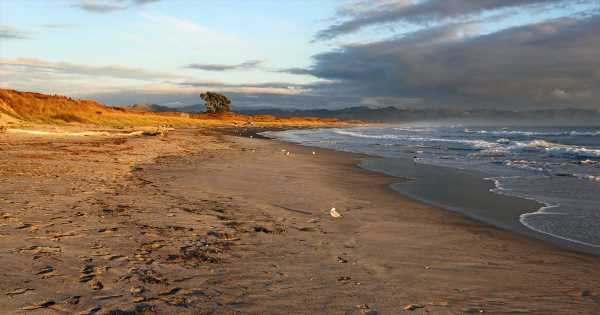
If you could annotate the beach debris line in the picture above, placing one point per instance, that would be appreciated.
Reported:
(334, 213)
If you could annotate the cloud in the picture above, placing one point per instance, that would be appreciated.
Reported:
(59, 25)
(8, 33)
(545, 64)
(248, 65)
(280, 88)
(297, 71)
(107, 6)
(364, 14)
(33, 66)
(118, 84)
(100, 6)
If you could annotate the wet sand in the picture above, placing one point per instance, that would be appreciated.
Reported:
(466, 192)
(201, 221)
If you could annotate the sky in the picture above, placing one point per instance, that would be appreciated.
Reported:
(513, 54)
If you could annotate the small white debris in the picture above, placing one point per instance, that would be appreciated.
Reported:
(334, 213)
(314, 153)
(287, 153)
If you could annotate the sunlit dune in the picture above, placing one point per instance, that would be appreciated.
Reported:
(40, 108)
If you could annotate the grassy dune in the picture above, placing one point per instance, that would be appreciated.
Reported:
(16, 106)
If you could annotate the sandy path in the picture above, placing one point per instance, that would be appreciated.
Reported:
(196, 223)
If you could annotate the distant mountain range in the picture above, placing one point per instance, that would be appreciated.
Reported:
(394, 114)
(153, 108)
(143, 107)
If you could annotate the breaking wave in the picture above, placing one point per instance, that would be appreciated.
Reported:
(555, 149)
(501, 146)
(504, 133)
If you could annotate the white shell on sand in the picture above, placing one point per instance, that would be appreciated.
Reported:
(334, 213)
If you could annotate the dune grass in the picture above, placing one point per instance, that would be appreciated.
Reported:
(61, 110)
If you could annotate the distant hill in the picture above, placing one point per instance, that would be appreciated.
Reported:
(393, 114)
(153, 108)
(197, 108)
(143, 107)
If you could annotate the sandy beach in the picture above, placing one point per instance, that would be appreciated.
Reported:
(212, 221)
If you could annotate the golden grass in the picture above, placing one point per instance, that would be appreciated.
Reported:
(61, 110)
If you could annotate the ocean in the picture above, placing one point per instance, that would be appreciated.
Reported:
(559, 167)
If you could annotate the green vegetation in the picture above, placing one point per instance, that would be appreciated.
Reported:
(216, 103)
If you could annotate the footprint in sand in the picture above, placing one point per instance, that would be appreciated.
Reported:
(41, 249)
(87, 273)
(96, 285)
(45, 270)
(44, 304)
(19, 291)
(86, 278)
(90, 311)
(23, 226)
(73, 300)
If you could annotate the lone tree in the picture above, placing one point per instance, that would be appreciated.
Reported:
(215, 102)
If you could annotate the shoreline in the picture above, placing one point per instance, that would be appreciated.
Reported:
(485, 205)
(496, 202)
(203, 221)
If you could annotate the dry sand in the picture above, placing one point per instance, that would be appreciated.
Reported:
(202, 222)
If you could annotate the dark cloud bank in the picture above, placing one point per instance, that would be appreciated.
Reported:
(546, 64)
